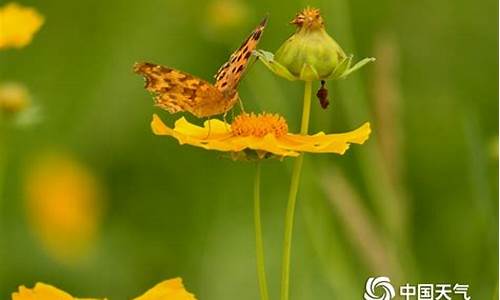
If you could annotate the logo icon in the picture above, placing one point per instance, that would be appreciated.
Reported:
(379, 284)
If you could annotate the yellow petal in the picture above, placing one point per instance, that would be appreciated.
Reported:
(213, 138)
(268, 143)
(171, 289)
(214, 127)
(18, 24)
(326, 143)
(42, 291)
(159, 128)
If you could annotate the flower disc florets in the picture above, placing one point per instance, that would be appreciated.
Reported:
(259, 125)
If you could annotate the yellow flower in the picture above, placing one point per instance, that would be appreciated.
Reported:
(64, 205)
(171, 289)
(42, 291)
(18, 24)
(263, 133)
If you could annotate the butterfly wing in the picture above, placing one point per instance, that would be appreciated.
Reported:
(229, 75)
(177, 91)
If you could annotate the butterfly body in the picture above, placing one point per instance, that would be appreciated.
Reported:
(177, 91)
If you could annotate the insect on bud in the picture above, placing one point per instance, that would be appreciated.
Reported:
(322, 95)
(310, 53)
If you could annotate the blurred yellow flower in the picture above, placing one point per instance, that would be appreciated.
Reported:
(14, 98)
(226, 14)
(63, 203)
(18, 24)
(171, 289)
(42, 291)
(264, 133)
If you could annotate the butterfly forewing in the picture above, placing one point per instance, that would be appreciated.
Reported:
(229, 75)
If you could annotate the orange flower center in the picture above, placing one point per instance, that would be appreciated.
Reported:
(259, 125)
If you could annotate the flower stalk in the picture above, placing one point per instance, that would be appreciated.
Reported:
(292, 197)
(259, 243)
(306, 109)
(3, 165)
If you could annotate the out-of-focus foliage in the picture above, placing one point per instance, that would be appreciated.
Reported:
(418, 202)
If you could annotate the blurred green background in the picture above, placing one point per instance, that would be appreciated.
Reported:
(417, 203)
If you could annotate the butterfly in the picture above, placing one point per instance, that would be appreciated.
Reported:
(177, 91)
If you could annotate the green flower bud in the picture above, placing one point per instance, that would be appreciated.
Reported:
(310, 53)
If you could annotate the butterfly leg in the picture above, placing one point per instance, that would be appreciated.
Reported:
(241, 104)
(225, 120)
(209, 128)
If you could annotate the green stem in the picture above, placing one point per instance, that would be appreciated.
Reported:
(292, 197)
(259, 244)
(3, 165)
(306, 110)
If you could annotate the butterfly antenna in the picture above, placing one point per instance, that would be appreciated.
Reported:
(263, 23)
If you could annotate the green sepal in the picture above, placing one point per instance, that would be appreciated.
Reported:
(340, 69)
(267, 58)
(308, 73)
(356, 67)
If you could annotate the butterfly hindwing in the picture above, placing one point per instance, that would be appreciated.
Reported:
(229, 75)
(177, 91)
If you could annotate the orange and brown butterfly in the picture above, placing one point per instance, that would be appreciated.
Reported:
(177, 91)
